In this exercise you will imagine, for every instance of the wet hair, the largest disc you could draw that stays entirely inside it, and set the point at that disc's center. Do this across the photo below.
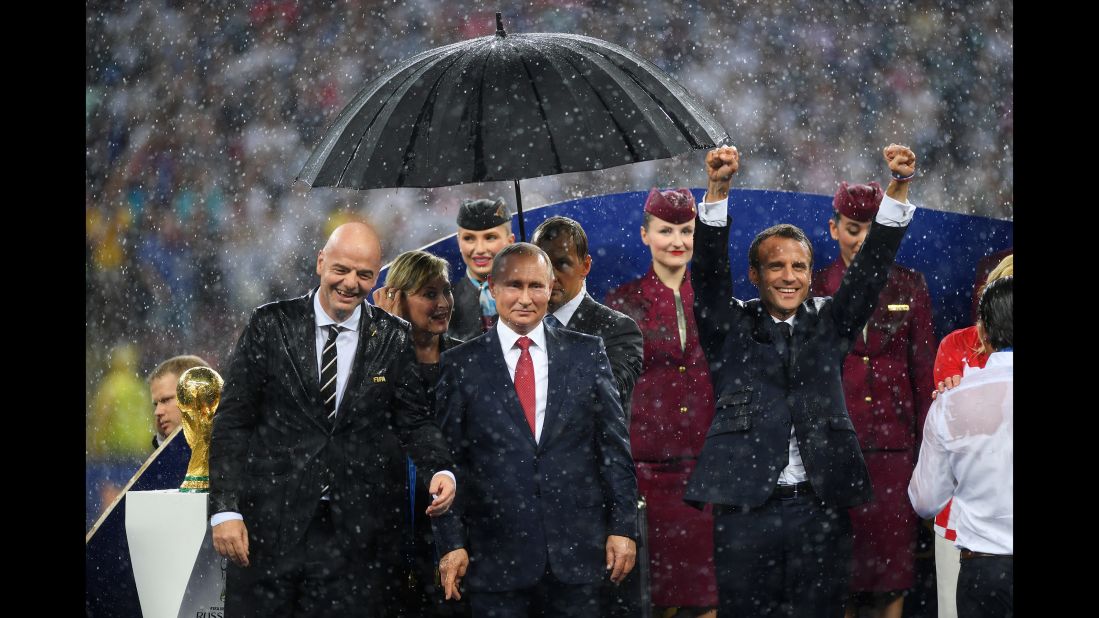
(412, 270)
(783, 230)
(555, 226)
(516, 249)
(997, 314)
(1005, 268)
(176, 366)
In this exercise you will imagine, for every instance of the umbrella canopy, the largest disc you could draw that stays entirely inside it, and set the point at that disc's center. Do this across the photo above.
(507, 107)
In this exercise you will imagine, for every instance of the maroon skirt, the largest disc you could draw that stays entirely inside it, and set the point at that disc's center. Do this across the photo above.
(681, 538)
(885, 529)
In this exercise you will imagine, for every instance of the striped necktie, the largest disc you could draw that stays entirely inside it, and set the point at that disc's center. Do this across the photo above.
(328, 372)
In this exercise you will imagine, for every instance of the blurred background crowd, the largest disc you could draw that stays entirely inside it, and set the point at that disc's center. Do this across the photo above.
(200, 115)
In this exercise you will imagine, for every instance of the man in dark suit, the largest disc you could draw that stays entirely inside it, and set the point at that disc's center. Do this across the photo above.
(533, 417)
(566, 244)
(781, 463)
(484, 228)
(306, 463)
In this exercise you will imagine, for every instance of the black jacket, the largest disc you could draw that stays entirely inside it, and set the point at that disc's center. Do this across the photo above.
(465, 321)
(758, 397)
(621, 337)
(273, 449)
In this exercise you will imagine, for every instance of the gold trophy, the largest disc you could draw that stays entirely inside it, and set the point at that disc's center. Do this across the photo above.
(198, 394)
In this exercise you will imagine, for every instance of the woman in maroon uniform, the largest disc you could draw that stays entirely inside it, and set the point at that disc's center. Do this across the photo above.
(673, 404)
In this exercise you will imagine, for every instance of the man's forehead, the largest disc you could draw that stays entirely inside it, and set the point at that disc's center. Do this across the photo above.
(782, 248)
(519, 265)
(164, 382)
(560, 245)
(362, 260)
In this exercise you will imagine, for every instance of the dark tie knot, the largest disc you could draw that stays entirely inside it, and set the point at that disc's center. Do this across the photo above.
(785, 329)
(524, 343)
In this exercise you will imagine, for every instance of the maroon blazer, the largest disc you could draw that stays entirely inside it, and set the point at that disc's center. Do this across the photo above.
(887, 376)
(673, 401)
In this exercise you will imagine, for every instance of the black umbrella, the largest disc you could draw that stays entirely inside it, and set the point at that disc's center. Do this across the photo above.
(508, 107)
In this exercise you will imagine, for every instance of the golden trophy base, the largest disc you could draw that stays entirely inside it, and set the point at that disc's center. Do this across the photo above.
(195, 485)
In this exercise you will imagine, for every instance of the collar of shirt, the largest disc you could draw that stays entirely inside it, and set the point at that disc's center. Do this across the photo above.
(323, 319)
(998, 359)
(790, 320)
(565, 312)
(508, 337)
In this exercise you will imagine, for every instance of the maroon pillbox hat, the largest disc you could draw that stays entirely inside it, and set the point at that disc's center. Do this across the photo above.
(674, 205)
(858, 202)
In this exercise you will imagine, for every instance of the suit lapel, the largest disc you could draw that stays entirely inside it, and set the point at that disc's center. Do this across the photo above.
(804, 323)
(503, 386)
(302, 336)
(363, 350)
(558, 369)
(764, 334)
(582, 318)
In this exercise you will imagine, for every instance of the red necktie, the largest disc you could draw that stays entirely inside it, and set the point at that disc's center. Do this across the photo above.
(524, 380)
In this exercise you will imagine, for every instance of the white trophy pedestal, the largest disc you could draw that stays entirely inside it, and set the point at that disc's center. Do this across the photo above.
(176, 570)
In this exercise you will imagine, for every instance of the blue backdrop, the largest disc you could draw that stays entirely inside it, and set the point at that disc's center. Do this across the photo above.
(944, 246)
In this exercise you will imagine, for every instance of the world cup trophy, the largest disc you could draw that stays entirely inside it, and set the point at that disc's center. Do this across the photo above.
(198, 394)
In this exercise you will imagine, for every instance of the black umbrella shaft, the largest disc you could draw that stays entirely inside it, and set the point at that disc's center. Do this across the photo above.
(519, 206)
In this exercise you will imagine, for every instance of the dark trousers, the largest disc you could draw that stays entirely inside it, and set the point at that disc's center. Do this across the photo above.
(549, 598)
(321, 576)
(986, 587)
(787, 557)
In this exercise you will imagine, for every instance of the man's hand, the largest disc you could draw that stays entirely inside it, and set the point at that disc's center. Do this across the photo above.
(901, 159)
(902, 162)
(452, 568)
(231, 541)
(390, 300)
(721, 164)
(946, 385)
(621, 555)
(443, 489)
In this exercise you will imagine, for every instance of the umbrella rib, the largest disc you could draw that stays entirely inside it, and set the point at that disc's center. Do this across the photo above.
(478, 139)
(542, 113)
(595, 91)
(423, 119)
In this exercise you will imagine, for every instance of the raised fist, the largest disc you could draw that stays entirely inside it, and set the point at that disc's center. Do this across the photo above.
(901, 159)
(722, 163)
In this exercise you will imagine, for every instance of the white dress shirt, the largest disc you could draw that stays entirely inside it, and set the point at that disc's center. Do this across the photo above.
(565, 312)
(967, 451)
(891, 213)
(540, 358)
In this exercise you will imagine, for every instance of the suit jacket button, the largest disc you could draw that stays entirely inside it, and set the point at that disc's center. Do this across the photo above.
(868, 399)
(866, 359)
(683, 409)
(682, 369)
